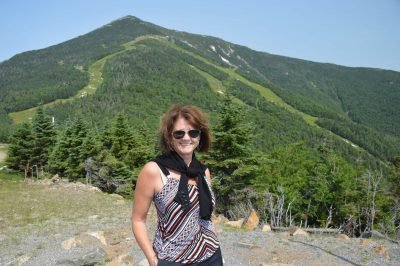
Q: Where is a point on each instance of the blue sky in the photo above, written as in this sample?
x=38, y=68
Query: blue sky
x=354, y=33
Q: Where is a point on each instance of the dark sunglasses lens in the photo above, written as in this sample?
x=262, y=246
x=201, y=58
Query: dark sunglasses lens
x=194, y=133
x=178, y=134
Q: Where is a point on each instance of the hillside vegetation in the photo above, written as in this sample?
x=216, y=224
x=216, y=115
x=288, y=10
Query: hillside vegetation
x=319, y=140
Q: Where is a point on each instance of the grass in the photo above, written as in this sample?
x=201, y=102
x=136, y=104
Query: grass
x=10, y=176
x=34, y=216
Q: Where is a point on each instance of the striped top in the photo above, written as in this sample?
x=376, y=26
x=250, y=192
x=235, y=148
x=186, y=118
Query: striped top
x=181, y=235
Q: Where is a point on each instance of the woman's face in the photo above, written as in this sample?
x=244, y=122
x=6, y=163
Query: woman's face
x=185, y=145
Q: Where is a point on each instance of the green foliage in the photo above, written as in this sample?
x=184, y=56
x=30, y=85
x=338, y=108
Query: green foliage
x=382, y=146
x=20, y=149
x=263, y=153
x=44, y=138
x=231, y=160
x=30, y=145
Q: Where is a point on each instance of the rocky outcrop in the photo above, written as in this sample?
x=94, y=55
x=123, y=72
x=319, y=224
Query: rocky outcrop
x=252, y=220
x=111, y=248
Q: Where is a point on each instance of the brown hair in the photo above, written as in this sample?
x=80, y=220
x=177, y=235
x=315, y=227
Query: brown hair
x=194, y=116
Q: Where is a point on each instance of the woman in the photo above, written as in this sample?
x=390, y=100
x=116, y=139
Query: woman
x=179, y=185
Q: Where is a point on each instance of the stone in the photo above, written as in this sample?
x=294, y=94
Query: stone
x=300, y=232
x=219, y=219
x=266, y=228
x=99, y=235
x=365, y=242
x=83, y=240
x=381, y=250
x=121, y=260
x=252, y=221
x=342, y=237
x=236, y=224
x=55, y=178
x=21, y=260
x=92, y=256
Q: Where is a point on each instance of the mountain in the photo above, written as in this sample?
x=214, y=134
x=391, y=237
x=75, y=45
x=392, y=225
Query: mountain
x=140, y=69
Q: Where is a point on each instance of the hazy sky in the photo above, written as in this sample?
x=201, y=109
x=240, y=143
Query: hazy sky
x=346, y=32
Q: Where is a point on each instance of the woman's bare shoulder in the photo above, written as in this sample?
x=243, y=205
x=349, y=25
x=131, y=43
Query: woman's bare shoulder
x=151, y=168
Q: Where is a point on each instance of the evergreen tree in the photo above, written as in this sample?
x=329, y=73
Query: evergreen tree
x=122, y=138
x=143, y=149
x=75, y=161
x=44, y=138
x=231, y=160
x=75, y=145
x=60, y=153
x=20, y=149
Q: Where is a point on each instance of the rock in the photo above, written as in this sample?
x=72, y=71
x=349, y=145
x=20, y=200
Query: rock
x=220, y=219
x=99, y=235
x=252, y=221
x=121, y=260
x=365, y=242
x=93, y=256
x=83, y=240
x=291, y=230
x=94, y=189
x=236, y=224
x=266, y=228
x=300, y=232
x=342, y=237
x=21, y=260
x=55, y=178
x=381, y=250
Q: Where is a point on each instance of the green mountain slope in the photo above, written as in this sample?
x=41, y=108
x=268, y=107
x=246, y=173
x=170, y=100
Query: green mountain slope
x=288, y=99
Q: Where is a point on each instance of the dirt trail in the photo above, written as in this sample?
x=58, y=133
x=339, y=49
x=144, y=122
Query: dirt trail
x=3, y=153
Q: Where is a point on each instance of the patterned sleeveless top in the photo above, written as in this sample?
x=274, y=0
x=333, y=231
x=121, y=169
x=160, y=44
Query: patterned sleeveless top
x=181, y=235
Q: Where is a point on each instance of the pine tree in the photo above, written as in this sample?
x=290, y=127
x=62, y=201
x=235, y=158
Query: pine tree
x=122, y=138
x=231, y=160
x=20, y=149
x=44, y=138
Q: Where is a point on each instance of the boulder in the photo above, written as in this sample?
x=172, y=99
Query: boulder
x=300, y=232
x=121, y=260
x=83, y=240
x=342, y=237
x=115, y=247
x=99, y=235
x=252, y=220
x=381, y=250
x=266, y=228
x=220, y=219
x=236, y=224
x=87, y=256
x=365, y=242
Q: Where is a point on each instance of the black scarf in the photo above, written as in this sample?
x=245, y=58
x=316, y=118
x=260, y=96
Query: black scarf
x=196, y=169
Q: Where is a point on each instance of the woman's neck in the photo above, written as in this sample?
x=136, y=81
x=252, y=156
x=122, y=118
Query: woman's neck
x=186, y=158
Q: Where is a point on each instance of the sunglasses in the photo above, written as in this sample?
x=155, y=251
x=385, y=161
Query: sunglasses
x=193, y=133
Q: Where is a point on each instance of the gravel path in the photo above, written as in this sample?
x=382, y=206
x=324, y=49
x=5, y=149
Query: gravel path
x=32, y=233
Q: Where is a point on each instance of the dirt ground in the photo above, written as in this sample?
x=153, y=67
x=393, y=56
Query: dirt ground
x=36, y=219
x=3, y=153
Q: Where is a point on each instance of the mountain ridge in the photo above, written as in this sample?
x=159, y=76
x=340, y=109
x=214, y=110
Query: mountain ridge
x=297, y=82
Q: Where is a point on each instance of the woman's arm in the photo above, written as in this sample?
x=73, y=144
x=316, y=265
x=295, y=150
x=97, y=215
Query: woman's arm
x=144, y=192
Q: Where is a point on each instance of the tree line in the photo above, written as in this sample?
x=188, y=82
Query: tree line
x=292, y=184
